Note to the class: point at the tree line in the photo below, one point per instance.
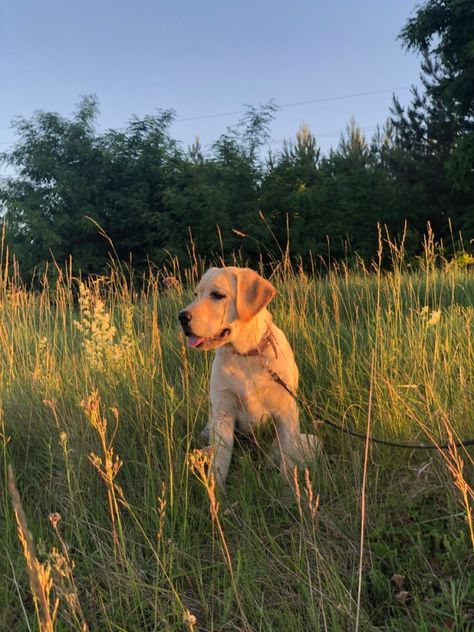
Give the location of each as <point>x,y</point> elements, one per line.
<point>72,185</point>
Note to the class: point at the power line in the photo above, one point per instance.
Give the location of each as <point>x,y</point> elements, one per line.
<point>297,103</point>
<point>288,105</point>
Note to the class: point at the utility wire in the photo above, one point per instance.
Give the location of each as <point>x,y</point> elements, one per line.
<point>296,103</point>
<point>287,105</point>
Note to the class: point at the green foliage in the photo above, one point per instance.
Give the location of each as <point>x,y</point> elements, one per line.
<point>57,161</point>
<point>444,30</point>
<point>72,180</point>
<point>434,149</point>
<point>76,191</point>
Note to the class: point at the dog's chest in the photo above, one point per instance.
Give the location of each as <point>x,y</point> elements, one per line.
<point>249,385</point>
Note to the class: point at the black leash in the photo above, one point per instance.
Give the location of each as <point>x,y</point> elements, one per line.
<point>360,435</point>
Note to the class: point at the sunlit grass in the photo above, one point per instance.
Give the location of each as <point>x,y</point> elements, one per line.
<point>102,406</point>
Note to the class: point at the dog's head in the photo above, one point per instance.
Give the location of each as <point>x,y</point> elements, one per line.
<point>225,299</point>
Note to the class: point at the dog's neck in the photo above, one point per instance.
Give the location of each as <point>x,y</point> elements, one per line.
<point>251,334</point>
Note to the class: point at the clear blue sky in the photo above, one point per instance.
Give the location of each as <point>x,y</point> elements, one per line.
<point>205,57</point>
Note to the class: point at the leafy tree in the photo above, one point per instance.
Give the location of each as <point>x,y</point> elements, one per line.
<point>219,194</point>
<point>70,180</point>
<point>356,194</point>
<point>341,196</point>
<point>286,189</point>
<point>434,156</point>
<point>443,30</point>
<point>57,162</point>
<point>141,163</point>
<point>148,195</point>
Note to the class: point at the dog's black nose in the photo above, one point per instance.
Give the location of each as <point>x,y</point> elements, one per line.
<point>184,317</point>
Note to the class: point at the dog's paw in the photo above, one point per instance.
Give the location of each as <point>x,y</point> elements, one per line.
<point>309,446</point>
<point>301,451</point>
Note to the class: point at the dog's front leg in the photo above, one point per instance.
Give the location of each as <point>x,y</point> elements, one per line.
<point>288,436</point>
<point>294,447</point>
<point>221,430</point>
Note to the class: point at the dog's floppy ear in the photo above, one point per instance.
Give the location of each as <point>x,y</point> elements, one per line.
<point>253,293</point>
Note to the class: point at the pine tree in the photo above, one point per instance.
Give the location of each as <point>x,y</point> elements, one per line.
<point>433,161</point>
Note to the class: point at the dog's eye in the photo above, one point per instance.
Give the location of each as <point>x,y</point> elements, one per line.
<point>217,296</point>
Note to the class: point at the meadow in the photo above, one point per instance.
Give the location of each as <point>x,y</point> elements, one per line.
<point>109,520</point>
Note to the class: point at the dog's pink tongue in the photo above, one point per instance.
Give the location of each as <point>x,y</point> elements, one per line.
<point>194,341</point>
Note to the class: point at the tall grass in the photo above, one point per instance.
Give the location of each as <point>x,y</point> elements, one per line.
<point>102,403</point>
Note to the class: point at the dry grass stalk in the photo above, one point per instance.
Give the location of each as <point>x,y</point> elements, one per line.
<point>296,485</point>
<point>455,466</point>
<point>363,506</point>
<point>161,512</point>
<point>106,465</point>
<point>453,460</point>
<point>170,282</point>
<point>200,462</point>
<point>311,498</point>
<point>63,566</point>
<point>190,620</point>
<point>313,501</point>
<point>41,581</point>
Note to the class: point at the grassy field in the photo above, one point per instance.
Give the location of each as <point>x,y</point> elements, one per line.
<point>102,404</point>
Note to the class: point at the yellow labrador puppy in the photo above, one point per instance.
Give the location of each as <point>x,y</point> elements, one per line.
<point>229,313</point>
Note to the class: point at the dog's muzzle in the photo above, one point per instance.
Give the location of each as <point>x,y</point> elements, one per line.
<point>184,318</point>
